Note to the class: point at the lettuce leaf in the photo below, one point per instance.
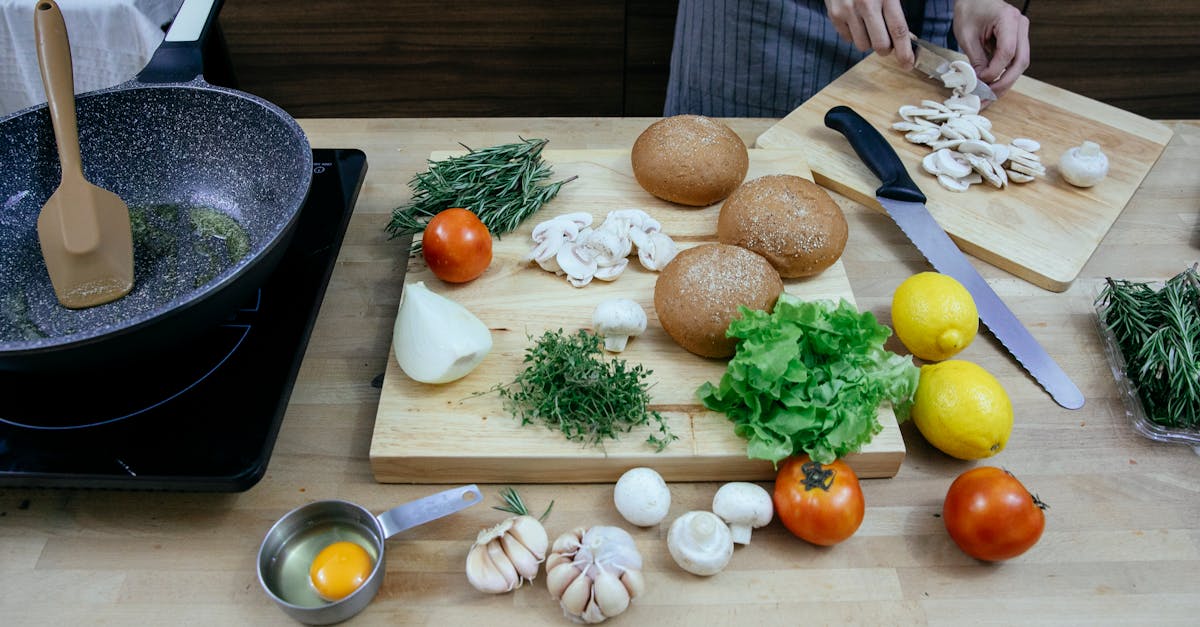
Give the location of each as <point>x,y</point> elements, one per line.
<point>809,378</point>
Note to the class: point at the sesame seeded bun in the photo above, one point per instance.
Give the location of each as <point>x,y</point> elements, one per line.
<point>689,160</point>
<point>698,294</point>
<point>790,220</point>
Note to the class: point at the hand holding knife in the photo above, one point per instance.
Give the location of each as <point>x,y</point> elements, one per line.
<point>905,203</point>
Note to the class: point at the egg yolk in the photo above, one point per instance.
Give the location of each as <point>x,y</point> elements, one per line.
<point>339,569</point>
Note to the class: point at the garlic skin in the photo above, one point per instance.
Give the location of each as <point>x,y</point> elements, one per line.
<point>435,339</point>
<point>1084,165</point>
<point>700,542</point>
<point>507,555</point>
<point>594,573</point>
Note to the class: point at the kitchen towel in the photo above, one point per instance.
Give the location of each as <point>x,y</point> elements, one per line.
<point>111,41</point>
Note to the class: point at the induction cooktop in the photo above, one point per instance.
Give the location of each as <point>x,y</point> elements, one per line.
<point>202,416</point>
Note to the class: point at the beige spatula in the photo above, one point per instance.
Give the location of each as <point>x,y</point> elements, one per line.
<point>83,229</point>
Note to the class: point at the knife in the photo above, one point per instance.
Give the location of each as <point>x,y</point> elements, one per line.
<point>934,61</point>
<point>905,203</point>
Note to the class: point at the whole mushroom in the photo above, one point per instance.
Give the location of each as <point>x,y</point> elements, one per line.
<point>700,542</point>
<point>642,497</point>
<point>617,320</point>
<point>745,507</point>
<point>1084,165</point>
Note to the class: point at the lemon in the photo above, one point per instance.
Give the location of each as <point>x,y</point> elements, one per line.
<point>962,410</point>
<point>934,316</point>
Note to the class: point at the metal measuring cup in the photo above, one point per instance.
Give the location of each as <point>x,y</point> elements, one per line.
<point>290,530</point>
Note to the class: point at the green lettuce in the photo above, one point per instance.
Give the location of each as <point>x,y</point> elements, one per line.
<point>810,377</point>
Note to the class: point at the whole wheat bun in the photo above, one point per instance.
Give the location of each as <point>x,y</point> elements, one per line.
<point>689,160</point>
<point>790,220</point>
<point>697,295</point>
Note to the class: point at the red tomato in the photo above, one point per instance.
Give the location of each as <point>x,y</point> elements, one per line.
<point>991,516</point>
<point>456,245</point>
<point>821,503</point>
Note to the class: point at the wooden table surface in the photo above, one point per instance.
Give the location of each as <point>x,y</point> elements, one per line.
<point>1122,540</point>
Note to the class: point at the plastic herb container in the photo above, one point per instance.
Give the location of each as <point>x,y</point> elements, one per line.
<point>1130,394</point>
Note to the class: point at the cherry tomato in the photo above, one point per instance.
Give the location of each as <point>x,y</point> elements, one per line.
<point>456,245</point>
<point>820,503</point>
<point>991,516</point>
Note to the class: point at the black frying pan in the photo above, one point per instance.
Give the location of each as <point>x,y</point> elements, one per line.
<point>214,179</point>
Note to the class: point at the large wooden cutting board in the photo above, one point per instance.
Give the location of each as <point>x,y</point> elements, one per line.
<point>1044,231</point>
<point>458,432</point>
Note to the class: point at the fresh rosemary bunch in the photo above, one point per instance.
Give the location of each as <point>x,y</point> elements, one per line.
<point>569,386</point>
<point>1158,333</point>
<point>502,185</point>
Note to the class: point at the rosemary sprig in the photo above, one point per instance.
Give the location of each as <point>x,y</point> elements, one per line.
<point>568,386</point>
<point>502,185</point>
<point>514,504</point>
<point>1158,332</point>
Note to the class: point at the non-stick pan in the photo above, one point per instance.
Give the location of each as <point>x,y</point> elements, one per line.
<point>214,179</point>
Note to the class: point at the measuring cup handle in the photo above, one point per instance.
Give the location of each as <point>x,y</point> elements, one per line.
<point>432,507</point>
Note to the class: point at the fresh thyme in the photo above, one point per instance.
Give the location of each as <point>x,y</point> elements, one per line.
<point>1158,333</point>
<point>514,504</point>
<point>569,386</point>
<point>502,185</point>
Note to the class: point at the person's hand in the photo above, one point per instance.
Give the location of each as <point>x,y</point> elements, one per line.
<point>995,37</point>
<point>873,24</point>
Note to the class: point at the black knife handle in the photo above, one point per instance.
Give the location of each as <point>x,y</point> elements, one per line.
<point>875,151</point>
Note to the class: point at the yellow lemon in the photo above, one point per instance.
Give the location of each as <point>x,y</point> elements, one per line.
<point>962,410</point>
<point>934,316</point>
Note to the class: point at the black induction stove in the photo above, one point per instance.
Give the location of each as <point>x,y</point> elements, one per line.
<point>202,416</point>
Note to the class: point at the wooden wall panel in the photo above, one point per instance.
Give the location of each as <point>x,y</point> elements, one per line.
<point>447,58</point>
<point>1142,56</point>
<point>347,58</point>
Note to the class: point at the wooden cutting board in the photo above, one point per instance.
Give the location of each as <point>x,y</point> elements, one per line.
<point>458,432</point>
<point>1044,231</point>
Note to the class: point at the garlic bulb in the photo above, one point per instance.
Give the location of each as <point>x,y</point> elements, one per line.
<point>506,555</point>
<point>594,573</point>
<point>436,340</point>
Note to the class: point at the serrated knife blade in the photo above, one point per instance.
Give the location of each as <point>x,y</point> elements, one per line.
<point>905,203</point>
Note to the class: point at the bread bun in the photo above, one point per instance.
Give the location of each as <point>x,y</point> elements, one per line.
<point>690,160</point>
<point>697,295</point>
<point>790,220</point>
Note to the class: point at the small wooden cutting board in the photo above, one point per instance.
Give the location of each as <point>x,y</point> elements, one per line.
<point>1043,231</point>
<point>459,432</point>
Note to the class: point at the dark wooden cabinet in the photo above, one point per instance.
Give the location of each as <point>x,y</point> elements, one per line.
<point>463,58</point>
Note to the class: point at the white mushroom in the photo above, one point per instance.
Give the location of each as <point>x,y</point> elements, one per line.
<point>657,251</point>
<point>700,542</point>
<point>550,236</point>
<point>744,506</point>
<point>1084,165</point>
<point>617,320</point>
<point>642,497</point>
<point>960,78</point>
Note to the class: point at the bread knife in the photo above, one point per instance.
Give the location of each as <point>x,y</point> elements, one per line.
<point>905,203</point>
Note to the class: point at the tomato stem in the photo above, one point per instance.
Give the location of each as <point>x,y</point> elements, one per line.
<point>817,476</point>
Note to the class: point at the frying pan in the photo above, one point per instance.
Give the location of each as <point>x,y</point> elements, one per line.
<point>216,175</point>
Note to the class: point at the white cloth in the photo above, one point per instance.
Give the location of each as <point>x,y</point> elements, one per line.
<point>111,41</point>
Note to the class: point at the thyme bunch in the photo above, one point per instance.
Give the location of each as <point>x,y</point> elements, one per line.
<point>502,185</point>
<point>1158,333</point>
<point>568,386</point>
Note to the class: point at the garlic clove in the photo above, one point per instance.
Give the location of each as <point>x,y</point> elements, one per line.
<point>529,532</point>
<point>610,594</point>
<point>560,577</point>
<point>576,596</point>
<point>635,583</point>
<point>523,560</point>
<point>482,572</point>
<point>435,339</point>
<point>503,564</point>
